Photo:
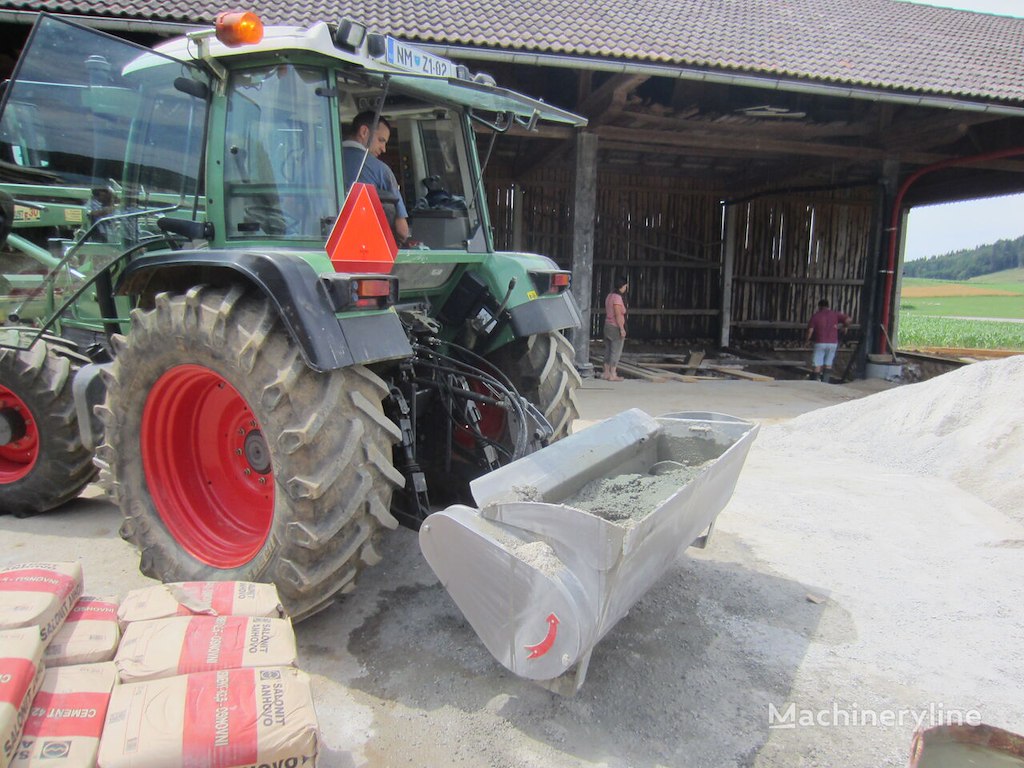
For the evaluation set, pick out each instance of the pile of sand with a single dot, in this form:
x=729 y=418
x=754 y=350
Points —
x=966 y=426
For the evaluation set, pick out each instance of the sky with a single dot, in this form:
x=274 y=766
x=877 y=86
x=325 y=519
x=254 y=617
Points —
x=937 y=229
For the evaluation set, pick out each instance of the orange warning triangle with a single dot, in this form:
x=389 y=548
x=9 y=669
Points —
x=361 y=239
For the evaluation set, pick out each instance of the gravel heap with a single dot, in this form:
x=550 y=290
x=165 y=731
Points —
x=966 y=426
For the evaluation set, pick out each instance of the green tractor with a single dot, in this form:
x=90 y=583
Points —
x=198 y=311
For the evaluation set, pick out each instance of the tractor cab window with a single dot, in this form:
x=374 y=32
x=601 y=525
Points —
x=437 y=179
x=279 y=174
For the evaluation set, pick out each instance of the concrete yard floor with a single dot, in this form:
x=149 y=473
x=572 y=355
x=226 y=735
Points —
x=838 y=606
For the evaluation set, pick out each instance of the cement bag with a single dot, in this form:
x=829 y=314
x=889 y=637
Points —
x=64 y=726
x=184 y=644
x=21 y=674
x=90 y=634
x=40 y=594
x=223 y=719
x=208 y=598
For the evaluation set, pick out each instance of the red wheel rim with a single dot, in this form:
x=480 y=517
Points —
x=18 y=457
x=207 y=466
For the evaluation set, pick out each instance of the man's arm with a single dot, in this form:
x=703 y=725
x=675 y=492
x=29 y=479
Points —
x=402 y=215
x=402 y=230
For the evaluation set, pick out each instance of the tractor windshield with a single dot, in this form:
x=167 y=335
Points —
x=98 y=137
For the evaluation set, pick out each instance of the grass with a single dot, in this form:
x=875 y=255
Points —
x=944 y=313
x=1014 y=276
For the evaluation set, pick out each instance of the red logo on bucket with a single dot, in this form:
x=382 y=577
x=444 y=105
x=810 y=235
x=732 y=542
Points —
x=538 y=650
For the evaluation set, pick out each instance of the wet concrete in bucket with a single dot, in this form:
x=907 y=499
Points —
x=629 y=498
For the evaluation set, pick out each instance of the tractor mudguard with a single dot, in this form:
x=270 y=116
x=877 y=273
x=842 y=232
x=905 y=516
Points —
x=545 y=315
x=567 y=539
x=306 y=301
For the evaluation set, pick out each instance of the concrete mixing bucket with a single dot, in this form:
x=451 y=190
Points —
x=567 y=539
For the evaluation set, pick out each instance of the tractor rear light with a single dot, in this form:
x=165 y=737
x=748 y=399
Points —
x=348 y=292
x=367 y=288
x=235 y=28
x=373 y=293
x=550 y=282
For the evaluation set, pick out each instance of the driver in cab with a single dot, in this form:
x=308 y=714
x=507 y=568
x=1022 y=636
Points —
x=374 y=170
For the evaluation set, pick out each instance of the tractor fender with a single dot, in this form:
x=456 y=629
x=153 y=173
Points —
x=302 y=297
x=544 y=315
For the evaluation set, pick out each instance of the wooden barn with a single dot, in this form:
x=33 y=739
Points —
x=743 y=159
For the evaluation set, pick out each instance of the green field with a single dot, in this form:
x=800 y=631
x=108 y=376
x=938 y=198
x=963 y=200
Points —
x=943 y=313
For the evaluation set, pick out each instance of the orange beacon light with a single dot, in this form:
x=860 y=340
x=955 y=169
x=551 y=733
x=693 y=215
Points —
x=235 y=28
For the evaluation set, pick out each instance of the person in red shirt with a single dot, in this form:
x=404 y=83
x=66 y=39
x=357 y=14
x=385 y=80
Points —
x=614 y=328
x=823 y=329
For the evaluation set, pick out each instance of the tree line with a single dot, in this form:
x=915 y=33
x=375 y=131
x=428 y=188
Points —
x=970 y=262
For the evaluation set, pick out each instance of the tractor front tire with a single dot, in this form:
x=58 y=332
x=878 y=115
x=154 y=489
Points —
x=231 y=459
x=542 y=368
x=42 y=460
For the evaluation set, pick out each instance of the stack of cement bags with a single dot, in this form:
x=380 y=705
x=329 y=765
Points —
x=191 y=674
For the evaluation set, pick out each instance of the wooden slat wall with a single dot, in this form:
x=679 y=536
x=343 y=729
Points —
x=666 y=236
x=790 y=253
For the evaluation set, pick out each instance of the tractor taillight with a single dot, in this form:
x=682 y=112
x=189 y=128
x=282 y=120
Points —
x=235 y=28
x=368 y=288
x=547 y=283
x=373 y=293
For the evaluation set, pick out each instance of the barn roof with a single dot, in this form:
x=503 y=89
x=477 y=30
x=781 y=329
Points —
x=878 y=44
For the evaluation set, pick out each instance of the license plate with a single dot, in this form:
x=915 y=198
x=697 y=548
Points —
x=409 y=57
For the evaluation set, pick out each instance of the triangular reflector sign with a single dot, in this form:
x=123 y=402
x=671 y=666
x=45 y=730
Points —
x=361 y=239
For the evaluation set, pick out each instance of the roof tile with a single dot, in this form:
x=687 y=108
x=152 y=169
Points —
x=884 y=44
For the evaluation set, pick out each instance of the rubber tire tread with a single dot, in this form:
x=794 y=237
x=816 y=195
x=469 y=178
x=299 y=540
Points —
x=329 y=440
x=544 y=371
x=42 y=380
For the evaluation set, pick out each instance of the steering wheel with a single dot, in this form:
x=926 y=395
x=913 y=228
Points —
x=273 y=220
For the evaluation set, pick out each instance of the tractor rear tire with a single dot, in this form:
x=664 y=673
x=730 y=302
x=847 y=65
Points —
x=542 y=368
x=43 y=462
x=231 y=459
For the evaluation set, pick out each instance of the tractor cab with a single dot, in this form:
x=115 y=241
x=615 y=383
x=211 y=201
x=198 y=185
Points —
x=231 y=138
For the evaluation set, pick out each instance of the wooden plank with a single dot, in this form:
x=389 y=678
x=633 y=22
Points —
x=642 y=372
x=738 y=373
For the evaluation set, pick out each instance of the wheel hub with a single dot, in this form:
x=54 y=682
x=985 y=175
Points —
x=12 y=426
x=256 y=452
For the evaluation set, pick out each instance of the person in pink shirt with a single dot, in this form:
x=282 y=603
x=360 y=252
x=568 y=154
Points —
x=823 y=330
x=614 y=327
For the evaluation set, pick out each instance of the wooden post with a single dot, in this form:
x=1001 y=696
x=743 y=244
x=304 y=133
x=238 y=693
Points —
x=517 y=217
x=874 y=277
x=728 y=260
x=584 y=215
